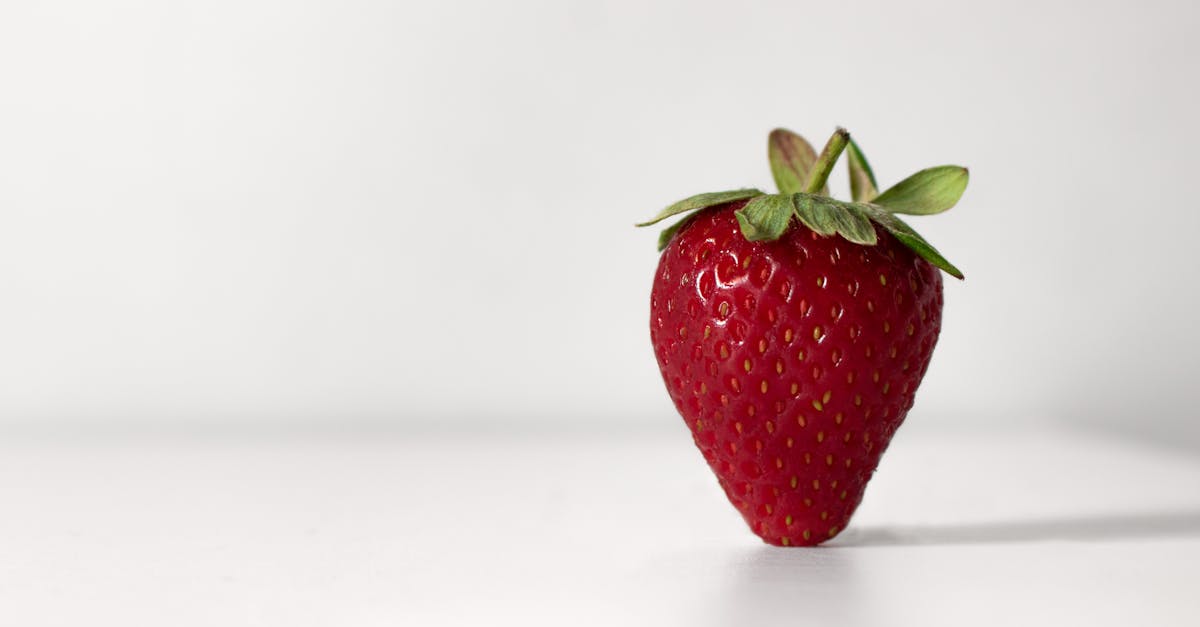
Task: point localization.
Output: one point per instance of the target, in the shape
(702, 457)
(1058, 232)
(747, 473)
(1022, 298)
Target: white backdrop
(420, 213)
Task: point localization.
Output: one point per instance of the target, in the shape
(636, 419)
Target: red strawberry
(793, 348)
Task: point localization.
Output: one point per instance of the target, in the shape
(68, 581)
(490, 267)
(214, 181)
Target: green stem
(829, 156)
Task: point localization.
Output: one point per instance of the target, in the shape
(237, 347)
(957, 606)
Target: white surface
(264, 211)
(1037, 528)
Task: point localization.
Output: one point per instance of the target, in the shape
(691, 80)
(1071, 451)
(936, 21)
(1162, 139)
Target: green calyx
(801, 176)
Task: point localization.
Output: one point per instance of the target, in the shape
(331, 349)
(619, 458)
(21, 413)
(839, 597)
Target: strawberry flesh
(792, 362)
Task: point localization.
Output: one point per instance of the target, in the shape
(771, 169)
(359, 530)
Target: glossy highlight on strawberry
(793, 358)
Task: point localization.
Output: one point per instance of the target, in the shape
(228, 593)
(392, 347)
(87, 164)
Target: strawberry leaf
(664, 238)
(765, 217)
(907, 236)
(927, 192)
(863, 187)
(853, 221)
(792, 157)
(828, 216)
(702, 201)
(801, 176)
(815, 214)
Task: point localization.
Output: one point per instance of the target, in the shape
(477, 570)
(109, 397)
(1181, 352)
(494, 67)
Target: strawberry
(792, 331)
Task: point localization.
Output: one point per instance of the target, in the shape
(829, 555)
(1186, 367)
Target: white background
(332, 313)
(407, 213)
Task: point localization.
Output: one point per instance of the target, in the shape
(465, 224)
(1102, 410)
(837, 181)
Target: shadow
(1077, 529)
(768, 586)
(1176, 432)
